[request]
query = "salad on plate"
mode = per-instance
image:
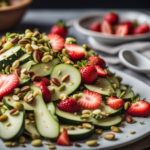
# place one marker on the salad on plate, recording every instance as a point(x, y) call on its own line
point(55, 89)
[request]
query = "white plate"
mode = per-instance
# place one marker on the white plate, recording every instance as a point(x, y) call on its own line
point(121, 138)
point(83, 24)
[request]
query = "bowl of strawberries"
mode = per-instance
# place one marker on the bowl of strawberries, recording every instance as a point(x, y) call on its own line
point(115, 27)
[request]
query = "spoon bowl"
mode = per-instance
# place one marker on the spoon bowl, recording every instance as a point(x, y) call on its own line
point(134, 60)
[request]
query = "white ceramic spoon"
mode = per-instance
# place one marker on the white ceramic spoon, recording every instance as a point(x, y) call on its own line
point(134, 60)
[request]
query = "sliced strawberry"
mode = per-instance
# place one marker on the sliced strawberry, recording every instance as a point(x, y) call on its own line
point(69, 105)
point(75, 52)
point(141, 29)
point(90, 99)
point(95, 60)
point(64, 139)
point(122, 30)
point(8, 83)
point(46, 92)
point(56, 41)
point(46, 81)
point(106, 27)
point(95, 27)
point(100, 71)
point(129, 25)
point(37, 83)
point(139, 109)
point(115, 102)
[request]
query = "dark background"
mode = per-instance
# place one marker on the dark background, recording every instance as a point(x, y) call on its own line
point(70, 4)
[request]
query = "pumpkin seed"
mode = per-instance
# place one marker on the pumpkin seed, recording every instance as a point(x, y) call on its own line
point(15, 97)
point(52, 146)
point(96, 112)
point(75, 96)
point(16, 64)
point(16, 91)
point(18, 106)
point(27, 31)
point(63, 96)
point(115, 129)
point(46, 58)
point(70, 40)
point(36, 142)
point(34, 47)
point(61, 88)
point(21, 140)
point(7, 68)
point(91, 143)
point(86, 112)
point(87, 125)
point(65, 52)
point(34, 136)
point(109, 136)
point(8, 45)
point(29, 49)
point(133, 132)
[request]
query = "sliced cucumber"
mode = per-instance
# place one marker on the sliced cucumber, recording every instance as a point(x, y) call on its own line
point(51, 108)
point(123, 87)
point(24, 82)
point(71, 118)
point(46, 125)
point(71, 84)
point(10, 56)
point(27, 65)
point(40, 69)
point(118, 92)
point(31, 128)
point(25, 58)
point(15, 130)
point(107, 122)
point(113, 80)
point(78, 134)
point(103, 88)
point(129, 94)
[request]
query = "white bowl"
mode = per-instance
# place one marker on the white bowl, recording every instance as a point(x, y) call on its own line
point(83, 24)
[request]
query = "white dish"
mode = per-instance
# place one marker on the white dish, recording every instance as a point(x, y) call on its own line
point(121, 138)
point(83, 24)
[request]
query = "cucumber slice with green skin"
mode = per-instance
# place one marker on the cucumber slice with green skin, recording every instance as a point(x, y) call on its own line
point(31, 128)
point(27, 65)
point(71, 118)
point(15, 130)
point(39, 69)
point(118, 92)
point(46, 125)
point(10, 56)
point(123, 87)
point(129, 94)
point(105, 85)
point(25, 58)
point(107, 122)
point(24, 82)
point(71, 84)
point(78, 134)
point(51, 108)
point(113, 80)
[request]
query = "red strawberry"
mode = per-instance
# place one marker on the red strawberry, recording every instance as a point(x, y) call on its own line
point(90, 99)
point(122, 30)
point(88, 74)
point(37, 83)
point(46, 92)
point(139, 109)
point(64, 139)
point(75, 52)
point(106, 27)
point(112, 18)
point(8, 83)
point(4, 39)
point(141, 29)
point(60, 28)
point(100, 71)
point(46, 81)
point(129, 25)
point(115, 102)
point(95, 27)
point(40, 54)
point(56, 41)
point(95, 60)
point(69, 105)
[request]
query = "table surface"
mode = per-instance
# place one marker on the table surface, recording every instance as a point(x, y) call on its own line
point(44, 19)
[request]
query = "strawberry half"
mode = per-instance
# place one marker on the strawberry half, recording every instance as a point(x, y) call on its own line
point(8, 83)
point(56, 41)
point(90, 99)
point(69, 105)
point(100, 71)
point(122, 30)
point(75, 52)
point(45, 92)
point(139, 109)
point(63, 139)
point(115, 102)
point(46, 81)
point(95, 60)
point(95, 27)
point(106, 27)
